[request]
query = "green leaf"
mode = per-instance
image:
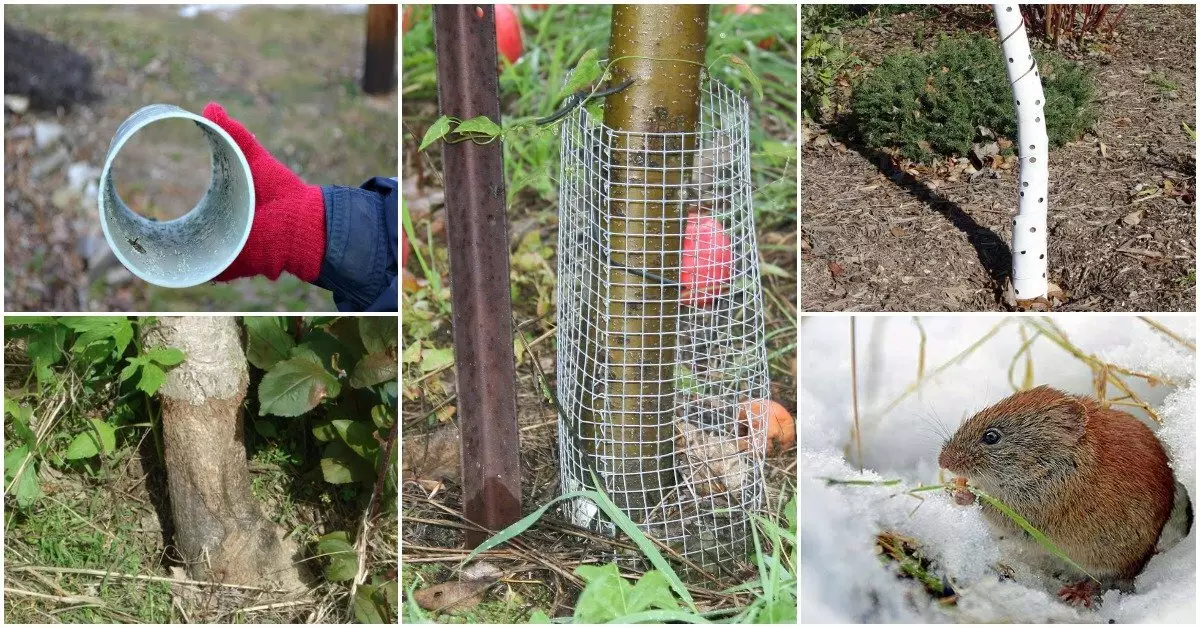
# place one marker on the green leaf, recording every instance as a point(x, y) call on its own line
point(45, 349)
point(648, 548)
point(267, 341)
point(744, 69)
point(295, 386)
point(358, 437)
point(605, 597)
point(538, 617)
point(166, 356)
point(21, 415)
point(436, 131)
point(123, 334)
point(378, 332)
point(382, 416)
point(343, 563)
point(376, 368)
point(366, 609)
point(129, 370)
point(335, 543)
point(12, 321)
point(324, 430)
point(771, 269)
point(412, 353)
point(780, 609)
point(434, 359)
point(482, 125)
point(13, 459)
point(26, 487)
point(101, 438)
point(96, 329)
point(652, 591)
point(152, 378)
point(340, 465)
point(266, 429)
point(585, 73)
point(107, 435)
point(83, 446)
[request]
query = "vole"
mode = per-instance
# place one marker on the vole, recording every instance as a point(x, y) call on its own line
point(1095, 480)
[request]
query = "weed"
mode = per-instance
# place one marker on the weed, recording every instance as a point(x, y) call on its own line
point(1162, 83)
point(934, 103)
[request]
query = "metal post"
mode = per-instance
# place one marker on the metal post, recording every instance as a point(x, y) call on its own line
point(379, 63)
point(477, 230)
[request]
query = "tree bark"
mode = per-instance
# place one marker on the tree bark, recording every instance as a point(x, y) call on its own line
point(219, 528)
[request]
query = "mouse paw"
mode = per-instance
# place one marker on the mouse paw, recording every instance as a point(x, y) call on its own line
point(1079, 594)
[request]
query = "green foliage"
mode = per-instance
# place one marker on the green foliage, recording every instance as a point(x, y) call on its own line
point(934, 103)
point(94, 352)
point(307, 372)
point(343, 562)
point(825, 59)
point(607, 596)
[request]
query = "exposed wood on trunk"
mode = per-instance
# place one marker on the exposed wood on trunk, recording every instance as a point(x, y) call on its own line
point(219, 528)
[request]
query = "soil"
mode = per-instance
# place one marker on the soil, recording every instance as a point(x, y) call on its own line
point(882, 234)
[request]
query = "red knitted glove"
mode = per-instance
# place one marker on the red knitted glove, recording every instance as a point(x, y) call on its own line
point(289, 215)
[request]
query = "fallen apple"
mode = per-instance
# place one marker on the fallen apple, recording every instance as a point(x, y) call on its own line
point(706, 265)
point(780, 426)
point(508, 33)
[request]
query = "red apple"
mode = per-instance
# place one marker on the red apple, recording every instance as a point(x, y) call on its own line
point(706, 264)
point(508, 32)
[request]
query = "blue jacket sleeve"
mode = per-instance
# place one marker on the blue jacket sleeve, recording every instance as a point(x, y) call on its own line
point(360, 246)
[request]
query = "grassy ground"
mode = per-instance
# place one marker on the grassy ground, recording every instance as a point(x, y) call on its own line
point(881, 233)
point(555, 39)
point(290, 75)
point(97, 545)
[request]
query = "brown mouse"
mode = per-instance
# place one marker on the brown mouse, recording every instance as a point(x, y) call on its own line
point(1095, 480)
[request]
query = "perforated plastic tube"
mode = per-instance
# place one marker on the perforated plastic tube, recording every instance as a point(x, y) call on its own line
point(1029, 225)
point(197, 246)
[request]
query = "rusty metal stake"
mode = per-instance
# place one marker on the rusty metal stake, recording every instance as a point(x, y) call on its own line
point(477, 230)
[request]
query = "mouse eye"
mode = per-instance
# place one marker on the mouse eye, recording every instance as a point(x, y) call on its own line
point(991, 437)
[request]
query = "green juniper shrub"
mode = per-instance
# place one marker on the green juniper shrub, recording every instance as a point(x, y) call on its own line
point(934, 103)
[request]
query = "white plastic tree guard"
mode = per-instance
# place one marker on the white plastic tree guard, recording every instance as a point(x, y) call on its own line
point(1029, 225)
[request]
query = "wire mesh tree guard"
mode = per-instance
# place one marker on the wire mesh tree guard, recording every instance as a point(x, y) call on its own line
point(661, 414)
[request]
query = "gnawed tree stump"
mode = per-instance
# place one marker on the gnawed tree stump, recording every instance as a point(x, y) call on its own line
point(219, 528)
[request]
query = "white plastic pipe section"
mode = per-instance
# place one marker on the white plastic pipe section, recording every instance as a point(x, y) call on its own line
point(1029, 225)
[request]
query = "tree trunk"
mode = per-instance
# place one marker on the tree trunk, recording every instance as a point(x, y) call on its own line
point(660, 47)
point(219, 528)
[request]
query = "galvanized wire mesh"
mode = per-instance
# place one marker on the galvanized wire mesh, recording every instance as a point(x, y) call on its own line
point(660, 329)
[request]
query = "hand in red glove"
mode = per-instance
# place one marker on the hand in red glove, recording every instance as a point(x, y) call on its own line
point(289, 215)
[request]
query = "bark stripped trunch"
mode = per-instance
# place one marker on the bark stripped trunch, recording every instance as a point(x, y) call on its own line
point(219, 528)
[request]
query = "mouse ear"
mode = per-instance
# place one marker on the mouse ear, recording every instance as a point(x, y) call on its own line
point(1067, 418)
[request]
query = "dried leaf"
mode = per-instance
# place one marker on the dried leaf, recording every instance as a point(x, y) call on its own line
point(1133, 218)
point(835, 269)
point(897, 231)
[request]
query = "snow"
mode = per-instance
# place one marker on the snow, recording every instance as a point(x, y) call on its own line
point(843, 579)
